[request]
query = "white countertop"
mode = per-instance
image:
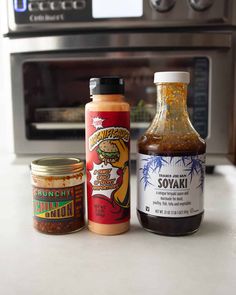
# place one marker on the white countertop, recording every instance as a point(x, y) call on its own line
point(137, 262)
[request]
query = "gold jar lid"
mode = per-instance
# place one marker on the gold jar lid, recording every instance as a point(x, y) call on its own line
point(51, 166)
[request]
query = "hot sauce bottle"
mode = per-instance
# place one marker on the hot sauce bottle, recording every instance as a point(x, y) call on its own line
point(107, 157)
point(171, 163)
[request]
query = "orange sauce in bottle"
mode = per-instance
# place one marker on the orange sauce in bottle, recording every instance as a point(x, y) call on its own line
point(107, 157)
point(171, 163)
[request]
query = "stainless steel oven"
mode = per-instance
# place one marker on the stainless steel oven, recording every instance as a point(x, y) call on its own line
point(52, 59)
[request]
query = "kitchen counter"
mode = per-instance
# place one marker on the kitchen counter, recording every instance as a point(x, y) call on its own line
point(137, 262)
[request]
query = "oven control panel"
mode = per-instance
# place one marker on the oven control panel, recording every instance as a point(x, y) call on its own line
point(39, 5)
point(106, 14)
point(43, 11)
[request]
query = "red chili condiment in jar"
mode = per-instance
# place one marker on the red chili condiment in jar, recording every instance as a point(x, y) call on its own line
point(58, 194)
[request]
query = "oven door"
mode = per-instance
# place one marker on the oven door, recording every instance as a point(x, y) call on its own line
point(50, 79)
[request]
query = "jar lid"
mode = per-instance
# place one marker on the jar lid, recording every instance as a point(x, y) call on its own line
point(172, 77)
point(51, 166)
point(106, 85)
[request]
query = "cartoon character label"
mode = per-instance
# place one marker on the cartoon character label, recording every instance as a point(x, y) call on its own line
point(171, 186)
point(107, 164)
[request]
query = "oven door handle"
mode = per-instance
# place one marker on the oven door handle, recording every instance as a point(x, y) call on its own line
point(121, 41)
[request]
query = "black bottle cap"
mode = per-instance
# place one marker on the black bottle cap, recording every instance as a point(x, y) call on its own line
point(107, 85)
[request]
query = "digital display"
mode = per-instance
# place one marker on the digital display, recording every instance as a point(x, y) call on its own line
point(20, 5)
point(117, 8)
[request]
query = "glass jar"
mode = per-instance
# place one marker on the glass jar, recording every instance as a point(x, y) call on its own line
point(58, 194)
point(171, 163)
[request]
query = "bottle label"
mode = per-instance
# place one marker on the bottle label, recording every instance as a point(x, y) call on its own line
point(107, 163)
point(170, 186)
point(58, 204)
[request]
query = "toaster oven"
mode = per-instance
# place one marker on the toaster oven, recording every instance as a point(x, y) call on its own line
point(55, 51)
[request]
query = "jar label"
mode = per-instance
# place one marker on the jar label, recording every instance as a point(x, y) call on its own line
point(170, 186)
point(54, 204)
point(107, 163)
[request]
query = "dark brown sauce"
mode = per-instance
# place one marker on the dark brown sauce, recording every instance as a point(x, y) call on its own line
point(171, 145)
point(170, 226)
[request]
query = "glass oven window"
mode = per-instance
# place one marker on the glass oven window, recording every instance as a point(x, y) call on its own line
point(56, 91)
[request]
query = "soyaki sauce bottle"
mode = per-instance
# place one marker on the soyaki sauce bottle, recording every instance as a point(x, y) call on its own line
point(171, 163)
point(107, 157)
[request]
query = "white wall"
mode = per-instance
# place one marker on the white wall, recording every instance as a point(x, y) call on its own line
point(6, 129)
point(2, 102)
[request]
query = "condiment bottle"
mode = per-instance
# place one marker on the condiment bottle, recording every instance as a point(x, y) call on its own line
point(107, 157)
point(58, 194)
point(171, 163)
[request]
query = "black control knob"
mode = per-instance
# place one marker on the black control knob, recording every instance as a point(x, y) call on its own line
point(55, 5)
point(201, 5)
point(163, 5)
point(67, 5)
point(44, 6)
point(33, 6)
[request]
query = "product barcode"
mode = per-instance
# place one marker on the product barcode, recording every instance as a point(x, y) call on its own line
point(172, 212)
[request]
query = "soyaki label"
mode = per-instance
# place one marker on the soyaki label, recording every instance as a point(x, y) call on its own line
point(107, 163)
point(170, 186)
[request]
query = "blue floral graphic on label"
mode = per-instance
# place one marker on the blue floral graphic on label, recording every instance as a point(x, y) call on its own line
point(171, 186)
